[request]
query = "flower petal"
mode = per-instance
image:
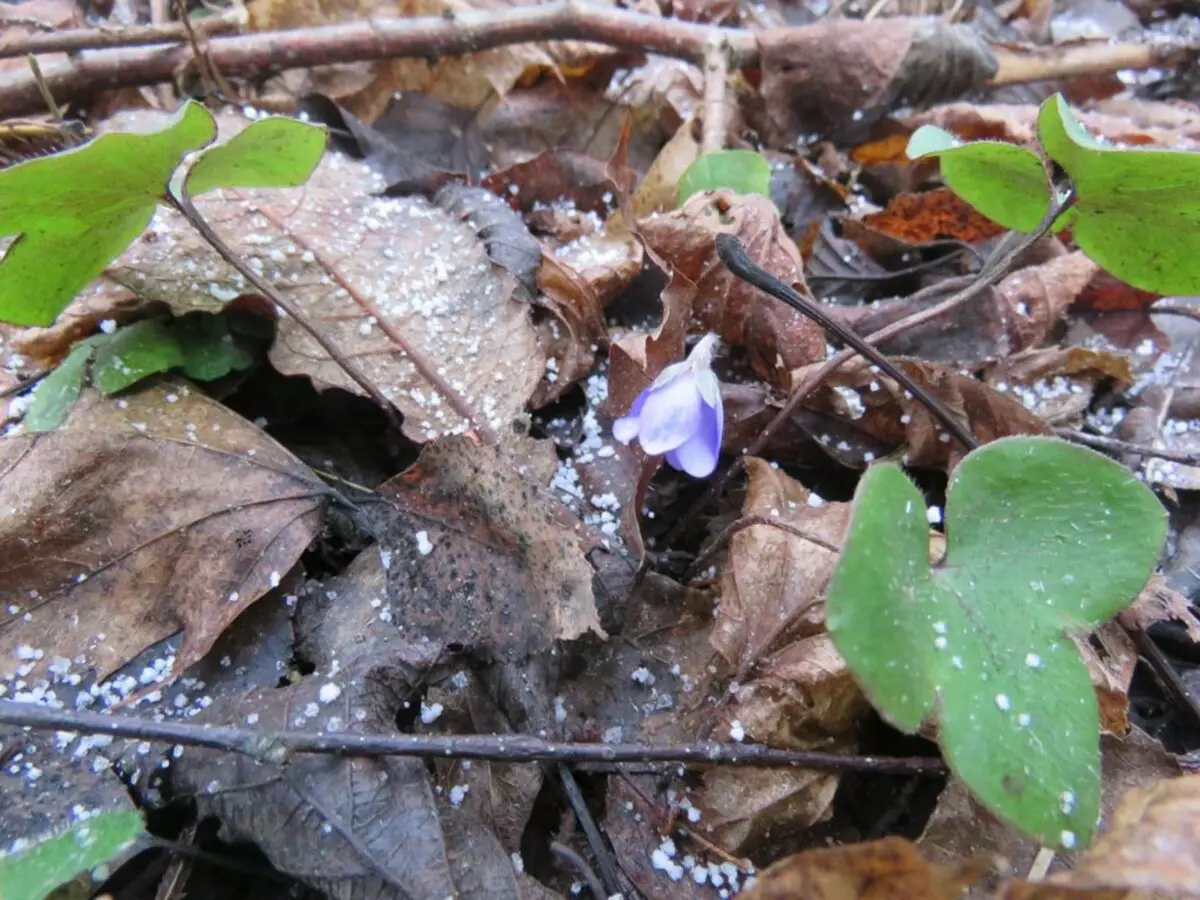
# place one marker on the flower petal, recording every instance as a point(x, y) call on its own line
point(698, 454)
point(671, 415)
point(625, 429)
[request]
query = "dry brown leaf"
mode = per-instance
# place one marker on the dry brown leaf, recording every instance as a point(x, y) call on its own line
point(1110, 656)
point(776, 337)
point(741, 807)
point(659, 189)
point(933, 215)
point(840, 75)
point(775, 580)
point(1151, 844)
point(1057, 383)
point(1037, 297)
point(477, 557)
point(1158, 602)
point(142, 516)
point(891, 869)
point(424, 269)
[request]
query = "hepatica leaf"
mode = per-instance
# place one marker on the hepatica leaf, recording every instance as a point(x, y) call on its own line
point(74, 212)
point(135, 352)
point(743, 171)
point(1003, 181)
point(272, 152)
point(1136, 209)
point(33, 873)
point(1044, 540)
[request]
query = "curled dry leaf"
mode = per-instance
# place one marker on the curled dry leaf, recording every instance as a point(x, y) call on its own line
point(840, 75)
point(477, 557)
point(425, 270)
point(933, 215)
point(891, 869)
point(142, 516)
point(776, 337)
point(1158, 602)
point(1110, 656)
point(1037, 297)
point(740, 808)
point(775, 580)
point(1057, 382)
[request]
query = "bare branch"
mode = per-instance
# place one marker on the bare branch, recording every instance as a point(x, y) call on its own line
point(279, 745)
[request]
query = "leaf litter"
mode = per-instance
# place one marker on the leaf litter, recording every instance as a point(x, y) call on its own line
point(167, 554)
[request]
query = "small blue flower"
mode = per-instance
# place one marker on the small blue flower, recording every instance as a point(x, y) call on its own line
point(680, 414)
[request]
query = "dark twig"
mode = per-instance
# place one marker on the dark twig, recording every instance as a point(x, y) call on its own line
point(600, 850)
point(1099, 442)
point(580, 867)
point(280, 745)
point(183, 203)
point(74, 39)
point(734, 255)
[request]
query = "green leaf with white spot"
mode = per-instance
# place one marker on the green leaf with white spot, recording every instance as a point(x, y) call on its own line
point(1005, 182)
point(135, 352)
point(1044, 540)
point(1137, 211)
point(74, 212)
point(211, 349)
point(58, 391)
point(743, 171)
point(272, 152)
point(33, 873)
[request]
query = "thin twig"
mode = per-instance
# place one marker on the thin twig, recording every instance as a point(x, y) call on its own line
point(425, 368)
point(43, 88)
point(580, 867)
point(1115, 446)
point(600, 850)
point(734, 255)
point(746, 522)
point(183, 203)
point(277, 746)
point(971, 287)
point(75, 39)
point(716, 110)
point(269, 52)
point(210, 75)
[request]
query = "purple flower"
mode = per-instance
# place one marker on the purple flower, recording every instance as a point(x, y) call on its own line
point(680, 414)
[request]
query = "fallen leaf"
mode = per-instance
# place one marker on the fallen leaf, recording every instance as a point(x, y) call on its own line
point(931, 216)
point(838, 76)
point(142, 516)
point(776, 337)
point(1158, 602)
point(891, 869)
point(424, 269)
point(477, 558)
point(740, 808)
point(774, 582)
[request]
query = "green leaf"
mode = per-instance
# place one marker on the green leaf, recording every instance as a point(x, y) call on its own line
point(74, 212)
point(1003, 181)
point(1137, 210)
point(272, 152)
point(33, 873)
point(743, 171)
point(1044, 540)
point(58, 391)
point(210, 350)
point(135, 352)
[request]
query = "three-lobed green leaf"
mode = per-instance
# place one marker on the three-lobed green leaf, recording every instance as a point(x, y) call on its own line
point(1044, 540)
point(33, 873)
point(75, 212)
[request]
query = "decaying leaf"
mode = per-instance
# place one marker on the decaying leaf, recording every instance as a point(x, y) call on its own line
point(144, 515)
point(477, 558)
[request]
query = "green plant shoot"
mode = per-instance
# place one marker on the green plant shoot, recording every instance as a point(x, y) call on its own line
point(743, 171)
point(33, 873)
